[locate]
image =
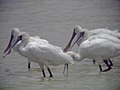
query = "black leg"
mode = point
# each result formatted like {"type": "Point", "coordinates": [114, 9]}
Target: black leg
{"type": "Point", "coordinates": [94, 61]}
{"type": "Point", "coordinates": [28, 65]}
{"type": "Point", "coordinates": [109, 67]}
{"type": "Point", "coordinates": [67, 69]}
{"type": "Point", "coordinates": [105, 61]}
{"type": "Point", "coordinates": [43, 73]}
{"type": "Point", "coordinates": [50, 72]}
{"type": "Point", "coordinates": [100, 68]}
{"type": "Point", "coordinates": [64, 69]}
{"type": "Point", "coordinates": [111, 64]}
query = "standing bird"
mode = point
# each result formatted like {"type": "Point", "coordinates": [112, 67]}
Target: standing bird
{"type": "Point", "coordinates": [98, 49]}
{"type": "Point", "coordinates": [96, 33]}
{"type": "Point", "coordinates": [44, 55]}
{"type": "Point", "coordinates": [14, 34]}
{"type": "Point", "coordinates": [78, 33]}
{"type": "Point", "coordinates": [88, 33]}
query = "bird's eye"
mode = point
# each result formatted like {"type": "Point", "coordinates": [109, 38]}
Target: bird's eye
{"type": "Point", "coordinates": [82, 33]}
{"type": "Point", "coordinates": [20, 37]}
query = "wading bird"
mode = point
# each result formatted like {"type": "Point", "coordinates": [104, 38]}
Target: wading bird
{"type": "Point", "coordinates": [14, 34]}
{"type": "Point", "coordinates": [96, 33]}
{"type": "Point", "coordinates": [88, 33]}
{"type": "Point", "coordinates": [101, 48]}
{"type": "Point", "coordinates": [44, 55]}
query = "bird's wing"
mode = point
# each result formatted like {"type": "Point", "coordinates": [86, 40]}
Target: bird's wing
{"type": "Point", "coordinates": [103, 30]}
{"type": "Point", "coordinates": [50, 54]}
{"type": "Point", "coordinates": [105, 36]}
{"type": "Point", "coordinates": [38, 40]}
{"type": "Point", "coordinates": [101, 48]}
{"type": "Point", "coordinates": [36, 37]}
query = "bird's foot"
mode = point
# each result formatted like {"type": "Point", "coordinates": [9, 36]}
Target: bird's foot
{"type": "Point", "coordinates": [28, 65]}
{"type": "Point", "coordinates": [108, 69]}
{"type": "Point", "coordinates": [51, 75]}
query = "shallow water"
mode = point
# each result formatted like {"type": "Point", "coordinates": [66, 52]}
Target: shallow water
{"type": "Point", "coordinates": [54, 20]}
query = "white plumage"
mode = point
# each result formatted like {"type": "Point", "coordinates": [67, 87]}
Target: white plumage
{"type": "Point", "coordinates": [94, 33]}
{"type": "Point", "coordinates": [97, 49]}
{"type": "Point", "coordinates": [95, 44]}
{"type": "Point", "coordinates": [43, 54]}
{"type": "Point", "coordinates": [14, 34]}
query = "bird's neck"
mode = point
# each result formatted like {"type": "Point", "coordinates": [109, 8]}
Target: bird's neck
{"type": "Point", "coordinates": [87, 34]}
{"type": "Point", "coordinates": [21, 47]}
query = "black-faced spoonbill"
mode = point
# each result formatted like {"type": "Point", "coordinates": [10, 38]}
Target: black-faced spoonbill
{"type": "Point", "coordinates": [44, 55]}
{"type": "Point", "coordinates": [96, 33]}
{"type": "Point", "coordinates": [14, 34]}
{"type": "Point", "coordinates": [97, 48]}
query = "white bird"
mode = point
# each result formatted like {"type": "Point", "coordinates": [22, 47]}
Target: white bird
{"type": "Point", "coordinates": [88, 33]}
{"type": "Point", "coordinates": [78, 32]}
{"type": "Point", "coordinates": [44, 55]}
{"type": "Point", "coordinates": [96, 33]}
{"type": "Point", "coordinates": [14, 34]}
{"type": "Point", "coordinates": [101, 48]}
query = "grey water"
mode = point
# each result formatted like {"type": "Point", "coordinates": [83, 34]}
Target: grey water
{"type": "Point", "coordinates": [54, 21]}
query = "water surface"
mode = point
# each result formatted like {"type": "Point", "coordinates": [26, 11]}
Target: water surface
{"type": "Point", "coordinates": [54, 20]}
